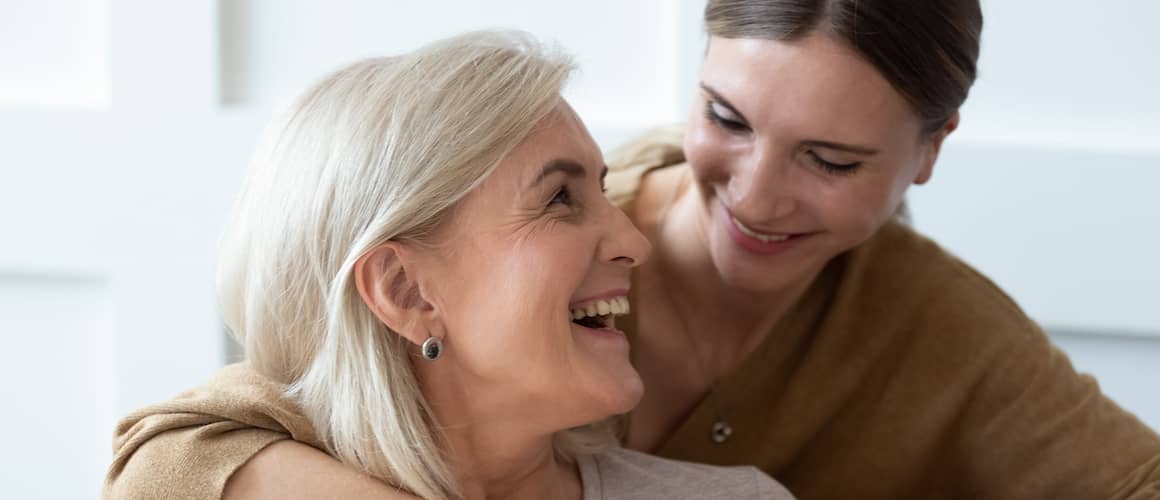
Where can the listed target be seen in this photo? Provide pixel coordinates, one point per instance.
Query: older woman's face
(800, 151)
(514, 267)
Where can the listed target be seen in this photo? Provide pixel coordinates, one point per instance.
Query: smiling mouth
(763, 237)
(600, 314)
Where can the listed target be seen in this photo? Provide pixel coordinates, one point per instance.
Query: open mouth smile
(599, 314)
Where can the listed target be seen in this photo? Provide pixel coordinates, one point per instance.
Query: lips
(597, 314)
(758, 242)
(765, 238)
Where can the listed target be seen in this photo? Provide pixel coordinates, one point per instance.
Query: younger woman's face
(522, 259)
(800, 151)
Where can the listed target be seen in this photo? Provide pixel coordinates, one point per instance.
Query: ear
(386, 282)
(933, 148)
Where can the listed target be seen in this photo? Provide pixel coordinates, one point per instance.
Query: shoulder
(910, 306)
(630, 163)
(277, 472)
(630, 474)
(196, 440)
(923, 286)
(958, 346)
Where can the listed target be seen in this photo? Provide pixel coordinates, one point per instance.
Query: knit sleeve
(191, 462)
(1035, 428)
(189, 446)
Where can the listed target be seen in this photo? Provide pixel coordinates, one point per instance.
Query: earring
(432, 348)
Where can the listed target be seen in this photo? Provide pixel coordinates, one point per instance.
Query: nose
(762, 187)
(623, 243)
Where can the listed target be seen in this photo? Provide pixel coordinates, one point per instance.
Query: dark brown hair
(926, 49)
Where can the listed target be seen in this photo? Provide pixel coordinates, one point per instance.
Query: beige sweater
(189, 446)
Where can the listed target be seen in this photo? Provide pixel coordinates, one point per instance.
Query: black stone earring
(432, 348)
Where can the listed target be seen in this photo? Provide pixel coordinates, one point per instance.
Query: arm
(291, 470)
(1037, 429)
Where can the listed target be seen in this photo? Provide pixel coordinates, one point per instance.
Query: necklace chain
(721, 430)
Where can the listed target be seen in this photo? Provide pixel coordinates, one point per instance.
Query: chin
(754, 275)
(750, 280)
(621, 393)
(630, 395)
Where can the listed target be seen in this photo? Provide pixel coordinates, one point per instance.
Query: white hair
(380, 150)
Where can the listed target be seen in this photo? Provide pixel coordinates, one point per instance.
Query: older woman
(790, 320)
(425, 274)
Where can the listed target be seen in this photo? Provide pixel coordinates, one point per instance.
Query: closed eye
(831, 167)
(722, 117)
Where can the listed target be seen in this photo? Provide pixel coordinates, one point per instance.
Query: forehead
(559, 135)
(815, 84)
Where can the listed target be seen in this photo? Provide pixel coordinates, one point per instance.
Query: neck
(492, 456)
(487, 469)
(729, 323)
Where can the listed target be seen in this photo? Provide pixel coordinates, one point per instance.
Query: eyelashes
(734, 126)
(562, 197)
(566, 206)
(831, 167)
(725, 123)
(562, 207)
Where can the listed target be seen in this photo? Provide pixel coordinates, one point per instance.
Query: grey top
(622, 474)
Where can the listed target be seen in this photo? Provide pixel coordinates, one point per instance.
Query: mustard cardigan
(904, 373)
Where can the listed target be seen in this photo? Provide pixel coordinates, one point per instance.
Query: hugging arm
(291, 470)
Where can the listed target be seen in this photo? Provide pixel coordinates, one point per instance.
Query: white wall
(50, 380)
(273, 49)
(125, 125)
(1068, 74)
(70, 68)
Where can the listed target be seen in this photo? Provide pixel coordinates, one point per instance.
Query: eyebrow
(570, 168)
(837, 146)
(849, 148)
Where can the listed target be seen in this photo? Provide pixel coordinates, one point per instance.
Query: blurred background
(125, 127)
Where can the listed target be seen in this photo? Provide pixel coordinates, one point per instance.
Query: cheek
(511, 303)
(704, 150)
(498, 327)
(524, 287)
(892, 191)
(860, 208)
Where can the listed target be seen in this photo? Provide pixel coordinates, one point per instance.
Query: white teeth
(616, 306)
(765, 238)
(624, 307)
